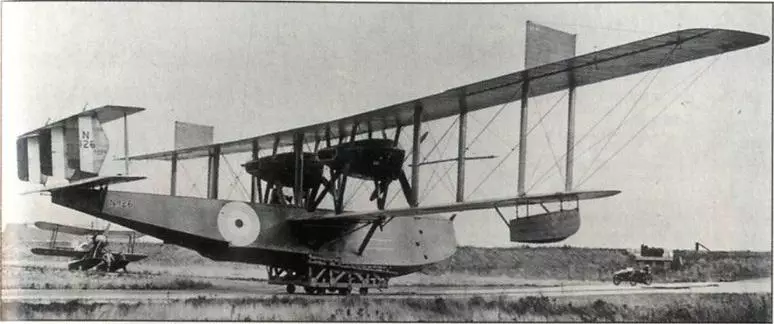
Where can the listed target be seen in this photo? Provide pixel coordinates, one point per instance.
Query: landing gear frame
(322, 279)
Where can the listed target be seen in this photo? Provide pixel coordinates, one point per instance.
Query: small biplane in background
(283, 225)
(92, 253)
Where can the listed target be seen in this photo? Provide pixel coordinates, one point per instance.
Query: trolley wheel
(364, 291)
(290, 288)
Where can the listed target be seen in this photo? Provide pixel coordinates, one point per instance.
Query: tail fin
(72, 148)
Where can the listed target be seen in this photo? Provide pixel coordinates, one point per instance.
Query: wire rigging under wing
(632, 58)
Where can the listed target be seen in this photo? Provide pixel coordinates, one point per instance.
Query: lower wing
(458, 207)
(58, 252)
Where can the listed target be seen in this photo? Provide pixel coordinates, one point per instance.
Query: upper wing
(65, 228)
(640, 56)
(58, 252)
(75, 230)
(457, 207)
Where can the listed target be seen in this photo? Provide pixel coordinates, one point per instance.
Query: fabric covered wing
(134, 257)
(640, 56)
(458, 207)
(65, 229)
(58, 252)
(74, 230)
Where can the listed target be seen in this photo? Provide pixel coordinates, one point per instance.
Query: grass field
(658, 308)
(597, 264)
(40, 277)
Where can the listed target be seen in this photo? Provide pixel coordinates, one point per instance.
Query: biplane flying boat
(93, 253)
(336, 250)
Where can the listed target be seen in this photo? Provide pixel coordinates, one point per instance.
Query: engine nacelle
(280, 169)
(370, 159)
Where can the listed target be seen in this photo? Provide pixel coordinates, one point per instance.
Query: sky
(692, 158)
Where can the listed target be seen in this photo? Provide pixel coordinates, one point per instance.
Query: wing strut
(570, 138)
(298, 186)
(54, 233)
(414, 201)
(213, 167)
(461, 148)
(173, 176)
(255, 183)
(126, 145)
(523, 136)
(367, 238)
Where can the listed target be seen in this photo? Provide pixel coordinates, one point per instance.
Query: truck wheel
(364, 291)
(290, 288)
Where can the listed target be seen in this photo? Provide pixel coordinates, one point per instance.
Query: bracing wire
(597, 123)
(553, 154)
(634, 105)
(513, 149)
(352, 195)
(497, 136)
(669, 104)
(445, 133)
(480, 132)
(447, 184)
(193, 182)
(609, 137)
(236, 178)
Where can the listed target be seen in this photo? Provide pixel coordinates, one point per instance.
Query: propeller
(103, 234)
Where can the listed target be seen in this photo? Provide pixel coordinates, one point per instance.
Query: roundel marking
(238, 223)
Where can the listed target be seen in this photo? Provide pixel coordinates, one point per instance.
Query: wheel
(364, 291)
(648, 280)
(345, 291)
(616, 280)
(319, 291)
(632, 282)
(309, 290)
(290, 288)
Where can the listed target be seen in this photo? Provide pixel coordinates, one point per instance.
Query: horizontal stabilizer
(90, 183)
(72, 148)
(458, 207)
(104, 114)
(610, 63)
